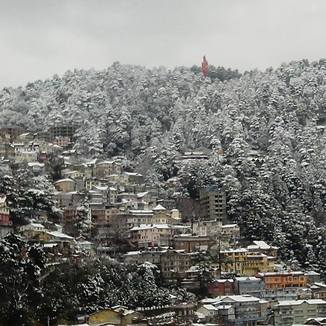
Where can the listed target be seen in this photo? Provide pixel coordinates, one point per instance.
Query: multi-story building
(318, 290)
(264, 248)
(287, 313)
(281, 280)
(105, 168)
(207, 228)
(244, 263)
(59, 130)
(65, 185)
(147, 235)
(5, 220)
(62, 141)
(212, 204)
(174, 264)
(240, 310)
(221, 287)
(249, 285)
(191, 243)
(152, 256)
(289, 293)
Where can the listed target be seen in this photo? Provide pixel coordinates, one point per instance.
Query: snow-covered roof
(263, 245)
(50, 245)
(234, 250)
(140, 212)
(142, 194)
(105, 162)
(210, 307)
(64, 180)
(132, 253)
(226, 226)
(248, 278)
(299, 302)
(37, 225)
(240, 298)
(102, 188)
(210, 300)
(159, 207)
(150, 226)
(60, 235)
(287, 273)
(31, 164)
(133, 174)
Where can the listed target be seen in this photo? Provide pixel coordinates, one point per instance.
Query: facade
(4, 212)
(239, 310)
(191, 243)
(147, 235)
(207, 228)
(318, 290)
(141, 257)
(281, 280)
(287, 313)
(263, 248)
(106, 168)
(62, 141)
(26, 155)
(242, 262)
(221, 287)
(65, 185)
(249, 285)
(212, 204)
(289, 293)
(174, 263)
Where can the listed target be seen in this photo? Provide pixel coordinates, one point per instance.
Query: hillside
(263, 131)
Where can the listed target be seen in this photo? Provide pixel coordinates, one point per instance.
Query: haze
(41, 37)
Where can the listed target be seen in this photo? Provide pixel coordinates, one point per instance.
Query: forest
(264, 132)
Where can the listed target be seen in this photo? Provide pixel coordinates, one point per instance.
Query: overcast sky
(39, 38)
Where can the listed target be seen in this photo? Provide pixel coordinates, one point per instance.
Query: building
(62, 141)
(174, 264)
(150, 235)
(289, 293)
(281, 280)
(221, 287)
(239, 310)
(249, 285)
(26, 155)
(152, 256)
(207, 228)
(210, 312)
(263, 248)
(318, 291)
(312, 277)
(134, 178)
(60, 131)
(105, 168)
(287, 313)
(4, 212)
(65, 185)
(191, 243)
(244, 263)
(212, 202)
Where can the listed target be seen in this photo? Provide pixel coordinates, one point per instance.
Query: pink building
(4, 212)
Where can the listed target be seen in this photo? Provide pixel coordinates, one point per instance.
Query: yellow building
(65, 185)
(245, 263)
(114, 316)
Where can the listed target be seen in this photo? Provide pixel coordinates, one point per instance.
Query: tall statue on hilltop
(204, 67)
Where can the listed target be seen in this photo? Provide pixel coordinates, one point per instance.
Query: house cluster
(105, 209)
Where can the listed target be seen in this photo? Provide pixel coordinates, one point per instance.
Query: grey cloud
(39, 38)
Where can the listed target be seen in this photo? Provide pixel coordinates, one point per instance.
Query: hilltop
(263, 132)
